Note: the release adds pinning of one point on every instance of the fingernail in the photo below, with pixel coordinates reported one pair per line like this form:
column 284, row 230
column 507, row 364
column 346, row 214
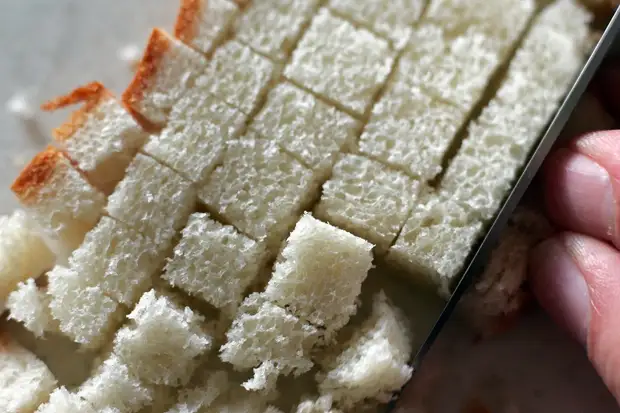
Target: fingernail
column 561, row 288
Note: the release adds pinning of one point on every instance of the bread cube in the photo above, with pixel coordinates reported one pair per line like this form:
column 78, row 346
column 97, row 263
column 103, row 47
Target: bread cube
column 570, row 18
column 86, row 315
column 273, row 27
column 60, row 201
column 199, row 396
column 343, row 64
column 63, row 401
column 238, row 75
column 374, row 363
column 259, row 189
column 319, row 273
column 411, row 131
column 214, row 262
column 112, row 386
column 367, row 199
column 193, row 141
column 436, row 241
column 204, row 24
column 306, row 127
column 23, row 253
column 267, row 338
column 323, row 404
column 101, row 137
column 167, row 69
column 25, row 381
column 163, row 341
column 153, row 200
column 391, row 19
column 30, row 305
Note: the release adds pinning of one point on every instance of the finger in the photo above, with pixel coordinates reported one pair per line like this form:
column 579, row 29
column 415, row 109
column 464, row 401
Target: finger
column 576, row 279
column 582, row 186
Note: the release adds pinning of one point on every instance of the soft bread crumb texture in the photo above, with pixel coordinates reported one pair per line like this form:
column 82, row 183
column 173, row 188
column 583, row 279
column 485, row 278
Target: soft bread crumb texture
column 374, row 363
column 343, row 64
column 322, row 404
column 25, row 381
column 63, row 401
column 319, row 273
column 23, row 252
column 367, row 199
column 200, row 395
column 30, row 305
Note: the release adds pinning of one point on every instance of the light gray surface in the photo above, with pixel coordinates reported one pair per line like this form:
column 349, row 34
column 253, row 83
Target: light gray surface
column 48, row 47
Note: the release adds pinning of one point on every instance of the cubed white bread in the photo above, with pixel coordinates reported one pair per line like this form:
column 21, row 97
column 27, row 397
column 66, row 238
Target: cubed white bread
column 569, row 18
column 30, row 305
column 269, row 339
column 204, row 24
column 25, row 381
column 59, row 199
column 163, row 398
column 436, row 241
column 504, row 20
column 309, row 129
column 101, row 137
column 193, row 141
column 214, row 262
column 456, row 70
column 392, row 19
column 259, row 189
column 367, row 199
column 273, row 27
column 198, row 397
column 319, row 273
column 411, row 131
column 344, row 64
column 167, row 69
column 163, row 342
column 152, row 199
column 323, row 404
column 63, row 401
column 374, row 363
column 112, row 386
column 238, row 75
column 86, row 315
column 23, row 252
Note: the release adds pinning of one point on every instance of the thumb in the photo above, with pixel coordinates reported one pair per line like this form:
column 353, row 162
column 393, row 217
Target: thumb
column 576, row 278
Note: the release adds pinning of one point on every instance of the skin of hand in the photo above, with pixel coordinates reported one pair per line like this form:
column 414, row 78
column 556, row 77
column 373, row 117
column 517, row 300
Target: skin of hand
column 576, row 274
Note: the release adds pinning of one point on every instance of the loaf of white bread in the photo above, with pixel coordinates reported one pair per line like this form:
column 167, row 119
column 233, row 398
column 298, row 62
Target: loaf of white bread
column 206, row 238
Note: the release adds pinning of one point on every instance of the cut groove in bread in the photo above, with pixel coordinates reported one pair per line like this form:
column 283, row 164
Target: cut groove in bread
column 194, row 140
column 30, row 305
column 319, row 273
column 199, row 396
column 343, row 64
column 168, row 67
column 59, row 199
column 101, row 137
column 367, row 199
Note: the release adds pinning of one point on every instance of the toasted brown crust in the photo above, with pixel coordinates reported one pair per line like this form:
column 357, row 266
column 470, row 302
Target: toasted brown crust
column 185, row 26
column 91, row 94
column 37, row 174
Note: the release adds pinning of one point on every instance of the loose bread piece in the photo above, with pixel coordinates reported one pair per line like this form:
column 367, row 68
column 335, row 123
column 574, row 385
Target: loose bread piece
column 153, row 200
column 23, row 253
column 199, row 396
column 167, row 69
column 101, row 137
column 30, row 305
column 163, row 341
column 306, row 127
column 63, row 401
column 25, row 381
column 341, row 63
column 214, row 262
column 193, row 141
column 367, row 199
column 59, row 199
column 435, row 241
column 323, row 404
column 391, row 19
column 411, row 131
column 86, row 314
column 259, row 189
column 272, row 27
column 269, row 339
column 112, row 386
column 204, row 24
column 238, row 75
column 374, row 363
column 319, row 273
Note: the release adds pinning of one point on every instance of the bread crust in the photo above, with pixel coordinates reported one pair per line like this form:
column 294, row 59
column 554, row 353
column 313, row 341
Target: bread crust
column 91, row 94
column 185, row 25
